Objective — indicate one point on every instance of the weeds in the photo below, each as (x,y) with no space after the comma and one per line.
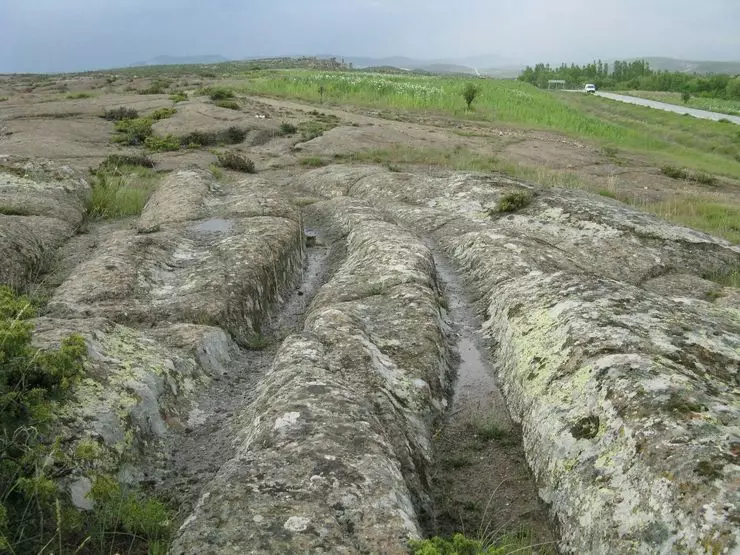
(288,129)
(162,113)
(313,162)
(167,143)
(178,97)
(237,162)
(120,114)
(158,86)
(133,132)
(513,201)
(216,172)
(233,135)
(470,93)
(3,98)
(114,161)
(79,95)
(121,191)
(228,104)
(218,93)
(729,276)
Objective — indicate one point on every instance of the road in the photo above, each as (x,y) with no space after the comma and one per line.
(703,114)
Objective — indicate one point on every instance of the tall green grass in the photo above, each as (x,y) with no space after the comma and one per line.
(709,146)
(120,192)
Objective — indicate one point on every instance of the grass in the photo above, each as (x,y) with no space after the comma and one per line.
(120,114)
(729,277)
(168,143)
(228,104)
(720,105)
(317,126)
(288,129)
(513,201)
(216,172)
(79,95)
(121,191)
(115,161)
(232,135)
(178,97)
(313,162)
(669,138)
(3,98)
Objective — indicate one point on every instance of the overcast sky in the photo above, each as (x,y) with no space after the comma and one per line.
(60,35)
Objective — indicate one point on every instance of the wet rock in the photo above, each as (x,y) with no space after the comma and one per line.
(626,390)
(178,198)
(334,453)
(191,272)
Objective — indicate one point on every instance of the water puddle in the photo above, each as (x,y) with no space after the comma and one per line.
(481,483)
(214,225)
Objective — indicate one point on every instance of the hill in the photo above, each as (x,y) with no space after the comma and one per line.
(178,60)
(690,66)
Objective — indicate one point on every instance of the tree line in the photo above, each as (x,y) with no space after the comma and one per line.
(635,75)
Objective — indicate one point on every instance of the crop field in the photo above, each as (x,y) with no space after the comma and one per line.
(703,145)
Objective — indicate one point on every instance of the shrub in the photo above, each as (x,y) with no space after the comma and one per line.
(120,114)
(685,96)
(157,87)
(704,178)
(513,201)
(167,143)
(219,93)
(178,97)
(31,383)
(313,162)
(470,93)
(133,131)
(115,161)
(79,95)
(234,161)
(674,173)
(233,135)
(3,98)
(162,113)
(288,128)
(229,104)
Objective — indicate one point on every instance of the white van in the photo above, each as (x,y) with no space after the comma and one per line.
(590,88)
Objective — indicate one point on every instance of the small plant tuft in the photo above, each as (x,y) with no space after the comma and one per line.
(178,97)
(168,143)
(288,128)
(674,172)
(120,114)
(228,104)
(513,201)
(115,161)
(162,113)
(313,162)
(79,95)
(218,93)
(237,162)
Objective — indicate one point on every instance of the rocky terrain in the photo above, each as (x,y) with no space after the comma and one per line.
(284,356)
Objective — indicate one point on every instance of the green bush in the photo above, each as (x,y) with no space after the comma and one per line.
(178,97)
(120,114)
(233,135)
(513,201)
(133,131)
(229,104)
(115,161)
(167,143)
(219,93)
(288,129)
(162,113)
(237,162)
(470,93)
(157,87)
(3,98)
(313,162)
(685,96)
(32,384)
(674,173)
(79,95)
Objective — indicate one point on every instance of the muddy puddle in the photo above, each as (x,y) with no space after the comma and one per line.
(482,485)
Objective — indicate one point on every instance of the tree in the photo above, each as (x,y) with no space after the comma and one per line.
(470,93)
(686,96)
(733,89)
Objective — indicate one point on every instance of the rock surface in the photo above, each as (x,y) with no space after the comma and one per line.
(616,337)
(628,396)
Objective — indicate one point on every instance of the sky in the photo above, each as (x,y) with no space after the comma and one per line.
(71,35)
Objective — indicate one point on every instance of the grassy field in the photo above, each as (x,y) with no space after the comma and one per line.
(721,105)
(704,145)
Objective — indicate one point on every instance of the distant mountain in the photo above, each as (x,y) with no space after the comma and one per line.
(181,60)
(494,64)
(689,66)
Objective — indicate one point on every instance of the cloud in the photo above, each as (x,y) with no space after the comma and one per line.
(54,35)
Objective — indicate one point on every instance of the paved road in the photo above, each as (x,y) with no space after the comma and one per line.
(704,114)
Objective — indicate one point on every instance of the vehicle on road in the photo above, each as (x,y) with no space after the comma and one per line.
(590,88)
